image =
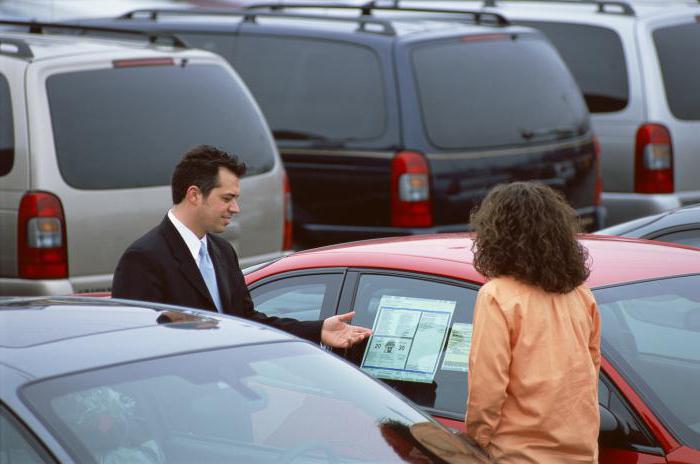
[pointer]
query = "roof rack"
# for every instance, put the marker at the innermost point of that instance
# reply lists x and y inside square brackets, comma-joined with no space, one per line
[36,27]
[618,6]
[478,17]
[250,16]
[248,13]
[15,47]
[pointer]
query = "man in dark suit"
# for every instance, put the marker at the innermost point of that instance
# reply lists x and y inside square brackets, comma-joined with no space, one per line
[182,262]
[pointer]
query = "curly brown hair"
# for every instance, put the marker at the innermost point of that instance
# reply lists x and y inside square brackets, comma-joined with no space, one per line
[528,231]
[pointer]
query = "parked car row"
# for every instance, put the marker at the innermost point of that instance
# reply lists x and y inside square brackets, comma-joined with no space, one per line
[390,121]
[396,122]
[649,302]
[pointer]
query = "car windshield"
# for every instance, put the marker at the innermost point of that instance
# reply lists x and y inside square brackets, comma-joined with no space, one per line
[651,334]
[277,403]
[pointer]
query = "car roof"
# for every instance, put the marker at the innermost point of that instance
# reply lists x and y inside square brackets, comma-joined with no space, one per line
[648,225]
[324,21]
[79,333]
[614,260]
[572,11]
[50,46]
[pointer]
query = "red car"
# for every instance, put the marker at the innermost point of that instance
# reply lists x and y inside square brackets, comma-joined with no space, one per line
[418,295]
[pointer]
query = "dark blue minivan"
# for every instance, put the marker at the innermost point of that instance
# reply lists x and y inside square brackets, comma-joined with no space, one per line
[396,121]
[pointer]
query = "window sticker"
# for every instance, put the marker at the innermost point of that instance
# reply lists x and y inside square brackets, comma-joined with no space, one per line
[408,336]
[458,345]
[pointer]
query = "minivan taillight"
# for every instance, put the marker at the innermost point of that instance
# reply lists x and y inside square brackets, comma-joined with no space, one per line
[598,178]
[410,191]
[287,230]
[653,167]
[42,252]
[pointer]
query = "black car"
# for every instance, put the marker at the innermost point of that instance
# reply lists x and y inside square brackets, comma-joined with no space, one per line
[681,226]
[397,121]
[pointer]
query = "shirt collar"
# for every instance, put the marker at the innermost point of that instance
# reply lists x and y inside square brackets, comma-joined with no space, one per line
[191,240]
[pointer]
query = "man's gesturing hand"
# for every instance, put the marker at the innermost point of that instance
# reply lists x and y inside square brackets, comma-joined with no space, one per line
[336,331]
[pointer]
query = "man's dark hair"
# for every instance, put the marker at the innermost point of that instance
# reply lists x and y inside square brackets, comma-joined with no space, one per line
[528,231]
[200,167]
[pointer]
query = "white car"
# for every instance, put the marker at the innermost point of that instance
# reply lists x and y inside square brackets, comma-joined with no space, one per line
[90,131]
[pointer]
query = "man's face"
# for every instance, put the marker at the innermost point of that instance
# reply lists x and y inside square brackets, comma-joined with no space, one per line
[216,210]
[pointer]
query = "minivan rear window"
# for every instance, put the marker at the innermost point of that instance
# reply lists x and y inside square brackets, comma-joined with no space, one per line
[128,127]
[314,88]
[679,56]
[7,136]
[595,57]
[488,93]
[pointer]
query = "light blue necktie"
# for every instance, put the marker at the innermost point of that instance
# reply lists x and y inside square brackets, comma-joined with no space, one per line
[207,269]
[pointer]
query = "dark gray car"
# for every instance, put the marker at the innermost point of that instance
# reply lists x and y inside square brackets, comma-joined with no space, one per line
[680,226]
[95,380]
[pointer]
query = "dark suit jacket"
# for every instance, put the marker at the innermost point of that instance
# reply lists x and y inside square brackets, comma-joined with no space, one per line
[159,267]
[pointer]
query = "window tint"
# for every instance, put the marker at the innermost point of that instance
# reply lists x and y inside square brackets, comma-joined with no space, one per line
[281,402]
[7,136]
[650,334]
[221,44]
[434,367]
[677,47]
[504,91]
[310,88]
[128,127]
[17,444]
[682,237]
[596,59]
[301,297]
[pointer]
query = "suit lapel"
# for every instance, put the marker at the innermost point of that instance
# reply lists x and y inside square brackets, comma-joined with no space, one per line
[182,255]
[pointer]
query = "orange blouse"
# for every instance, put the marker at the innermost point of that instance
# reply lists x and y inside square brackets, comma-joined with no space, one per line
[533,374]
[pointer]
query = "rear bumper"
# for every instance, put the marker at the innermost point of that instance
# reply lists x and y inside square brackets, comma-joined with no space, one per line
[624,207]
[10,286]
[311,235]
[27,287]
[308,235]
[592,218]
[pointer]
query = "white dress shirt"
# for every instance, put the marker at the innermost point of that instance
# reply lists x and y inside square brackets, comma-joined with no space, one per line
[191,240]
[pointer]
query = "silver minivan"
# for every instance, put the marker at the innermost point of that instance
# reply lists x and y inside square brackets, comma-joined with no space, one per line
[90,130]
[638,65]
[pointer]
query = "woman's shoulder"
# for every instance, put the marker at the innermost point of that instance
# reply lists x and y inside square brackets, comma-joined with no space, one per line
[506,288]
[585,293]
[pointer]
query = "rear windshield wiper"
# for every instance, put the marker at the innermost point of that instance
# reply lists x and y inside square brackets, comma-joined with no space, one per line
[556,133]
[319,140]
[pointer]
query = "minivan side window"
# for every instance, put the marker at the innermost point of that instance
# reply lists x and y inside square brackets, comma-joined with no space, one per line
[421,340]
[128,127]
[220,44]
[596,59]
[677,47]
[314,88]
[7,137]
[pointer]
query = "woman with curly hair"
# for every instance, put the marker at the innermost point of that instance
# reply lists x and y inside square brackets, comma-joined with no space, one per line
[535,353]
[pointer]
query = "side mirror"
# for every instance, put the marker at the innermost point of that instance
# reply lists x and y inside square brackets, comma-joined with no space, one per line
[613,432]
